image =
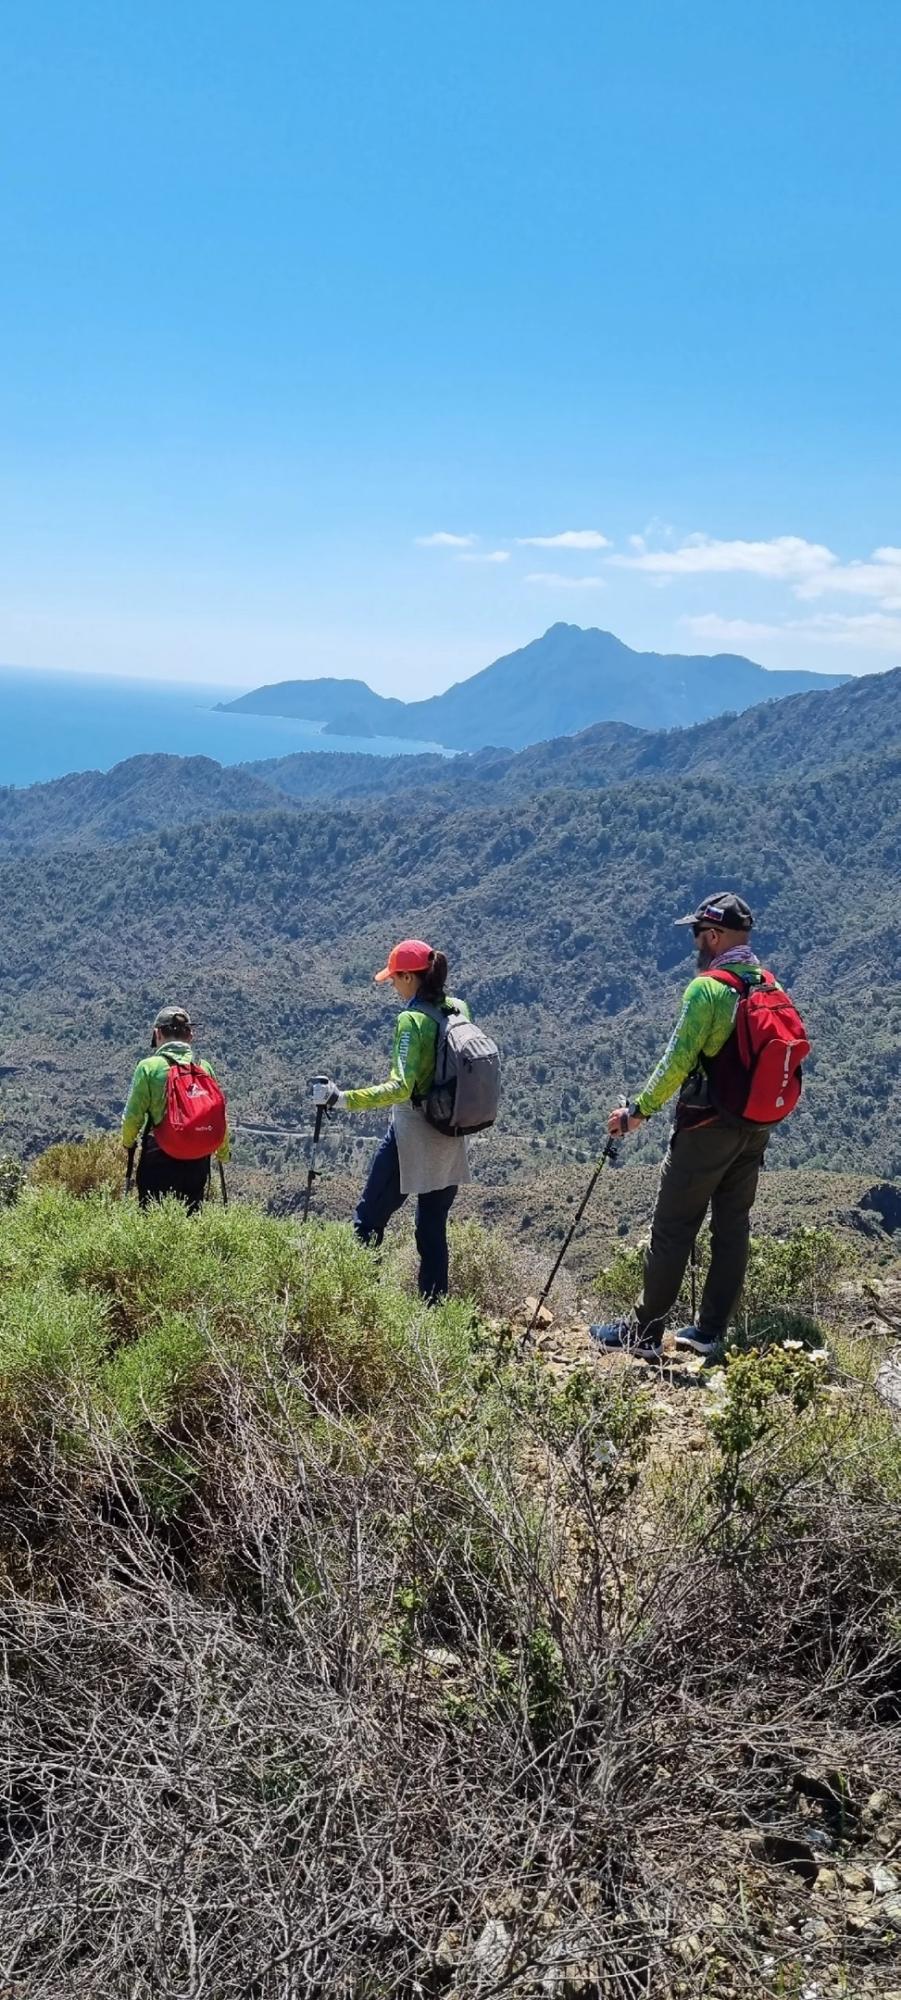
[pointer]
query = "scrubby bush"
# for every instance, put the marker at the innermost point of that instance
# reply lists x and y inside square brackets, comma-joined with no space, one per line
[484,1267]
[92,1165]
[763,1392]
[343,1646]
[800,1271]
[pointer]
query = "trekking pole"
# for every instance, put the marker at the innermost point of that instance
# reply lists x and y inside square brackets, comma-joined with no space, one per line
[130,1167]
[609,1153]
[693,1267]
[319,1086]
[223,1189]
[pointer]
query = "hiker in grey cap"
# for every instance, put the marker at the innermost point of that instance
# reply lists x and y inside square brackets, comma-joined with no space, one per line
[715,1153]
[148,1113]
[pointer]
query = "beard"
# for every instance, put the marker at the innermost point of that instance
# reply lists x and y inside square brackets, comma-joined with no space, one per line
[704,959]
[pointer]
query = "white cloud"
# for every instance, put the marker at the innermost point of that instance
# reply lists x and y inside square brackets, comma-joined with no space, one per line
[865,631]
[786,558]
[556,581]
[872,631]
[571,538]
[809,568]
[490,556]
[730,631]
[443,540]
[879,578]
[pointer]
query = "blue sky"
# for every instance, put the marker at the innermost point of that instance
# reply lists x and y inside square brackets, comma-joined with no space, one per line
[290,290]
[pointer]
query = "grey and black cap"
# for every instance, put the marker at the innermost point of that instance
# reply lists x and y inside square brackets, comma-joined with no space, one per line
[174,1021]
[728,911]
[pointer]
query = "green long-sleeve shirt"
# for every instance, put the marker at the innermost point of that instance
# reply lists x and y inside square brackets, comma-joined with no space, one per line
[412,1062]
[703,1028]
[147,1096]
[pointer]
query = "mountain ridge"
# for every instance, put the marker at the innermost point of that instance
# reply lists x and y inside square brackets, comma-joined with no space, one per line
[563,681]
[803,733]
[136,796]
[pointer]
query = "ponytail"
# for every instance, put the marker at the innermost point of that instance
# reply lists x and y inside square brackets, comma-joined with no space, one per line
[433,983]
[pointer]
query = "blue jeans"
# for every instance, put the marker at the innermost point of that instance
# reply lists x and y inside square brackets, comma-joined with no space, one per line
[381,1198]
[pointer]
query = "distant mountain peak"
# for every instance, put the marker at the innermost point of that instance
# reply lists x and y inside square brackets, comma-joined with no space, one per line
[564,681]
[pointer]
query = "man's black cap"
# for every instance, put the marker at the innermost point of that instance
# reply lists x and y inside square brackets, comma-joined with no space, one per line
[174,1021]
[730,912]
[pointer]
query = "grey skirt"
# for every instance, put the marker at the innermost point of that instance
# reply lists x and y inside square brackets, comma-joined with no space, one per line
[428,1159]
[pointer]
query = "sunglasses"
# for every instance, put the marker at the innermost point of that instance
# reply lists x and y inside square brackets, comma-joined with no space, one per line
[701,930]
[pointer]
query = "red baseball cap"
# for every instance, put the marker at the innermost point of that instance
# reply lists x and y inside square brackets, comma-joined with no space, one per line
[409,956]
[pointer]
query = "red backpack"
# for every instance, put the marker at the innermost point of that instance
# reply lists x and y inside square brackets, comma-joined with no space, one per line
[757,1075]
[193,1124]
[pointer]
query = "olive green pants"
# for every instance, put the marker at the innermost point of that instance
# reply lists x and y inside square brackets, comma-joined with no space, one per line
[716,1167]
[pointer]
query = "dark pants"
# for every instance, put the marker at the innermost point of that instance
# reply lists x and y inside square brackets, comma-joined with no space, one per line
[381,1198]
[716,1166]
[159,1175]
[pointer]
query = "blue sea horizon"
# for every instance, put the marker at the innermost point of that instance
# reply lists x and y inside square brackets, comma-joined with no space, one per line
[52,724]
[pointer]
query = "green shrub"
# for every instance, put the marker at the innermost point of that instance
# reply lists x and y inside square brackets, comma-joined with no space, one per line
[92,1165]
[157,1381]
[764,1396]
[484,1268]
[772,1327]
[314,1299]
[801,1271]
[44,1332]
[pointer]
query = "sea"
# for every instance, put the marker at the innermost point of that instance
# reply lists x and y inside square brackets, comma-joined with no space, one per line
[53,723]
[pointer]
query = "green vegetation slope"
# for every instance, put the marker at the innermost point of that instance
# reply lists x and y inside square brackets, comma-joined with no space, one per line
[556,911]
[348,1652]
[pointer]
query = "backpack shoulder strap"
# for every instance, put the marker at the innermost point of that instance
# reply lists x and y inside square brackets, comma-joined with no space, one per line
[728,979]
[435,1013]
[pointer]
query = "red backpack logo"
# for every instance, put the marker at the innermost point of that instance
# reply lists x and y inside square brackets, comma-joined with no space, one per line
[758,1074]
[193,1125]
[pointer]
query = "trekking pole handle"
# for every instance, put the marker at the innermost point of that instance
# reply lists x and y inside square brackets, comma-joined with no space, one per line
[320,1086]
[613,1144]
[130,1167]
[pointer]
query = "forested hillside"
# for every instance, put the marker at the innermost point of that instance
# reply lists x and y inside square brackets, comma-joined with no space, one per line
[803,732]
[138,796]
[556,911]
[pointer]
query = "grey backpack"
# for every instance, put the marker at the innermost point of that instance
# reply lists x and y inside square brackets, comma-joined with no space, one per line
[465,1093]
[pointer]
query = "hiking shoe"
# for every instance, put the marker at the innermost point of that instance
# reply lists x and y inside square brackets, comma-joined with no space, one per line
[704,1344]
[624,1335]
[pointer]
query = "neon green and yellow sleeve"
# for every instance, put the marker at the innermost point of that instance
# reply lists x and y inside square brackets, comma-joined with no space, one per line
[405,1060]
[683,1050]
[137,1109]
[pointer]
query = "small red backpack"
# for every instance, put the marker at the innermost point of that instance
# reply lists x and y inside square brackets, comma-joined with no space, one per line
[757,1075]
[194,1124]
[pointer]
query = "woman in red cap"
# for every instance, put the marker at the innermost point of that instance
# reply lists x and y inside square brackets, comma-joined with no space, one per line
[413,1157]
